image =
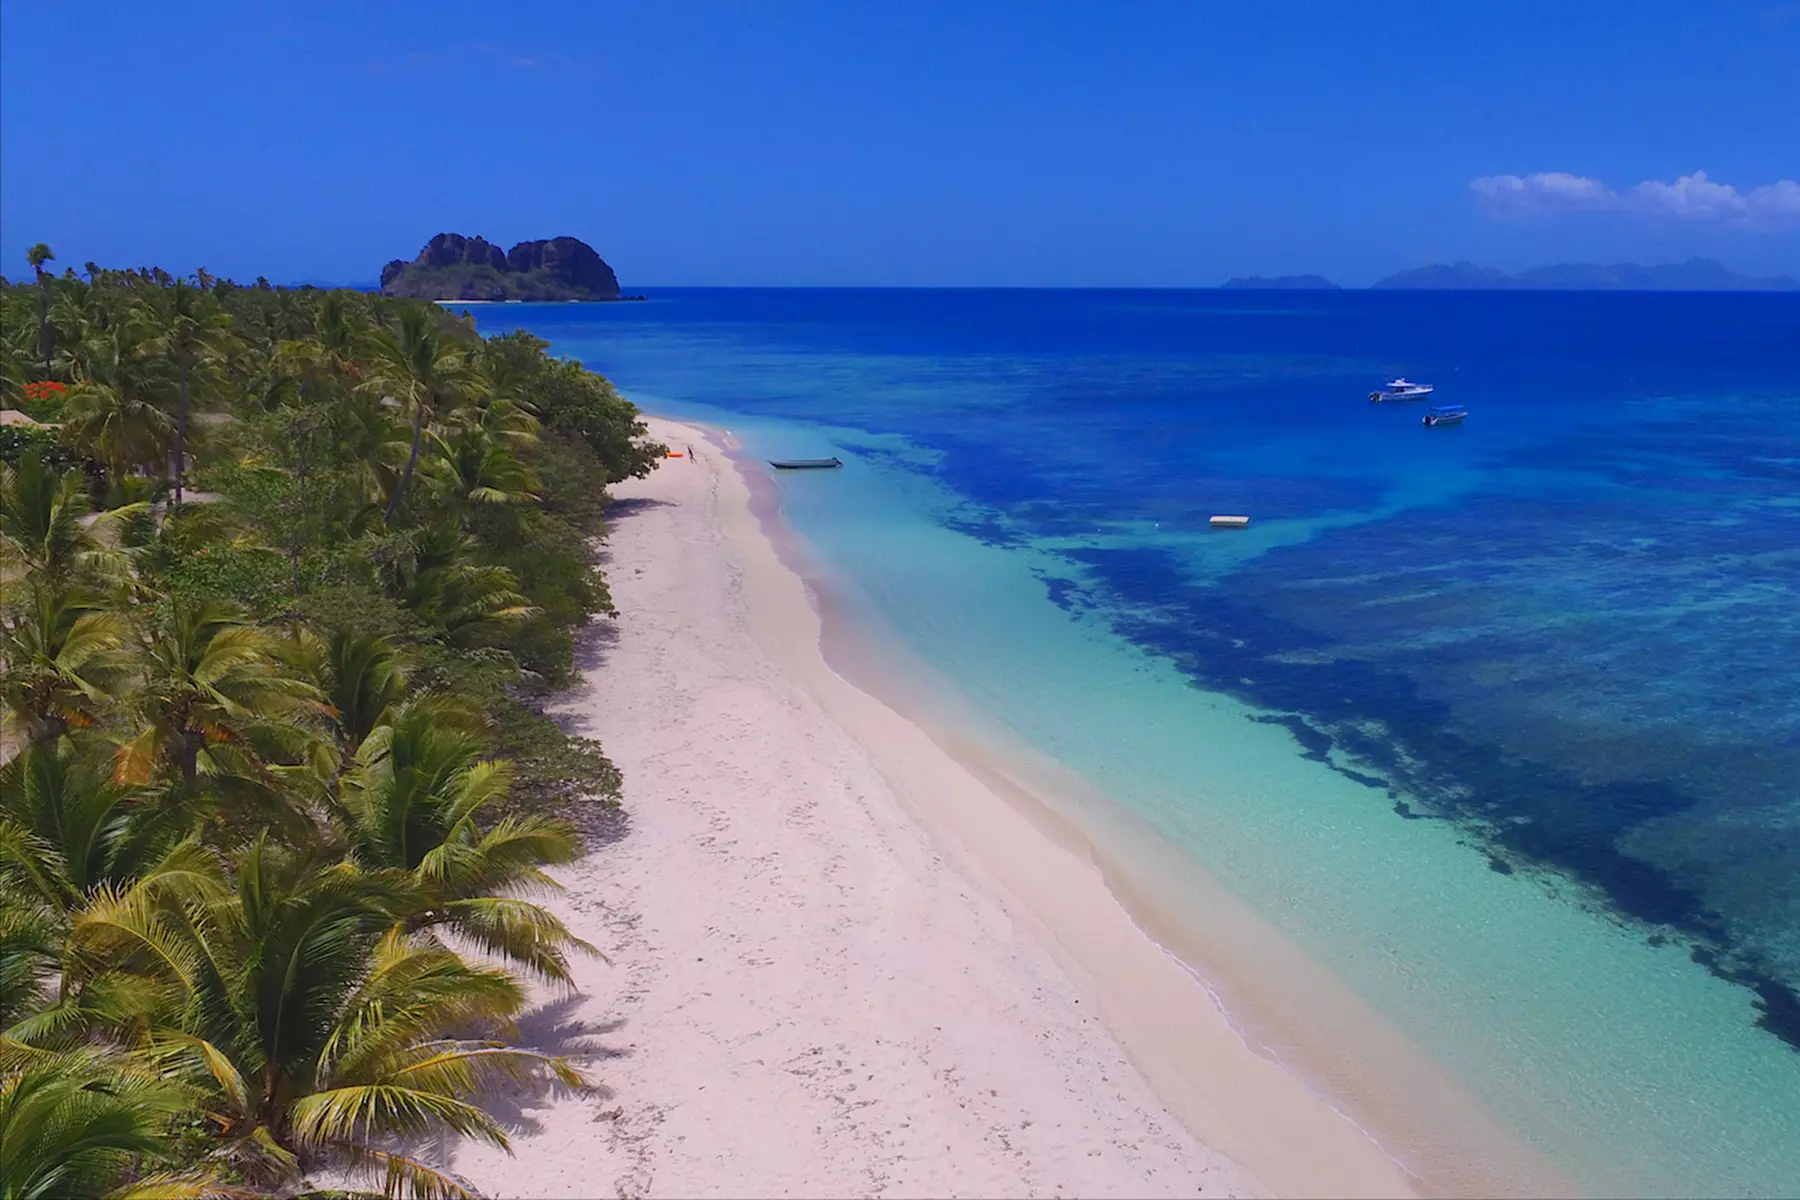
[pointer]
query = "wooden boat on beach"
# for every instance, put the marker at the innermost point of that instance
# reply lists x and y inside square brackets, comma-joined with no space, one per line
[805,464]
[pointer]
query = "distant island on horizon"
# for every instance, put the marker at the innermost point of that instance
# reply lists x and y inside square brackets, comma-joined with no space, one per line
[1694,275]
[454,267]
[1292,283]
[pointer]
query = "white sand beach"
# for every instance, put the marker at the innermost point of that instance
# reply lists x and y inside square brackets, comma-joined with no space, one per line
[840,962]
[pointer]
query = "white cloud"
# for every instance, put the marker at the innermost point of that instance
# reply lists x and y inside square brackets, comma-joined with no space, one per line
[1545,192]
[1774,203]
[1690,198]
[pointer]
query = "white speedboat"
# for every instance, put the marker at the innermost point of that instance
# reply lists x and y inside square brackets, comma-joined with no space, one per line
[1401,389]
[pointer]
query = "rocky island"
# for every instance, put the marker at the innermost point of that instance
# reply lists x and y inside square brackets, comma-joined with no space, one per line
[454,267]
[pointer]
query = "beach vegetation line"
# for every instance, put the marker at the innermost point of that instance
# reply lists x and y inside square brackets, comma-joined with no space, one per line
[288,577]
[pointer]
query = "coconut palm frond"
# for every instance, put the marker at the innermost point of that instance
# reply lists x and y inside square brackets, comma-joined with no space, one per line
[82,1123]
[404,1176]
[342,1115]
[410,994]
[520,932]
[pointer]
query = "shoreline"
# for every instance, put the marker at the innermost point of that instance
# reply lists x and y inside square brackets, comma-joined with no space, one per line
[851,947]
[1253,1017]
[803,995]
[1173,1025]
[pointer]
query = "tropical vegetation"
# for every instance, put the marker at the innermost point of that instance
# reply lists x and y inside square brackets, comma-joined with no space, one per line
[288,577]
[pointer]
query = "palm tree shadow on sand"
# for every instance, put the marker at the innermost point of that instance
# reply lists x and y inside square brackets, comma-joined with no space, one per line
[555,1028]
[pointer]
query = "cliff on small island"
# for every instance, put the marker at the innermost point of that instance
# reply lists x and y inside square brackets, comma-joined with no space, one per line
[454,267]
[1294,283]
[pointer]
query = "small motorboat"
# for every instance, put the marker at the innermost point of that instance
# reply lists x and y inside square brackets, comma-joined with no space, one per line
[1401,389]
[1445,414]
[805,464]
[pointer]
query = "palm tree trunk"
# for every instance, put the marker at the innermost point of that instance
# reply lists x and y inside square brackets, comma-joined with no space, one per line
[181,434]
[44,321]
[301,462]
[187,755]
[299,529]
[412,460]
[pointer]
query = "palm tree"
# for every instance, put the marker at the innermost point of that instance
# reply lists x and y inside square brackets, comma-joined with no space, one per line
[324,417]
[13,360]
[192,331]
[30,937]
[41,526]
[69,320]
[318,1030]
[503,396]
[214,683]
[264,374]
[474,467]
[423,373]
[370,441]
[327,354]
[444,583]
[69,660]
[512,365]
[293,312]
[418,800]
[338,333]
[111,414]
[365,679]
[47,525]
[37,256]
[80,311]
[67,834]
[88,1123]
[67,829]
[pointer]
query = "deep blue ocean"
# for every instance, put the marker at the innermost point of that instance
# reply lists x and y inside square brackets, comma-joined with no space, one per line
[1566,635]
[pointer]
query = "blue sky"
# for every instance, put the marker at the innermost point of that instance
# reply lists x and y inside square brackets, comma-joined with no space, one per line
[856,142]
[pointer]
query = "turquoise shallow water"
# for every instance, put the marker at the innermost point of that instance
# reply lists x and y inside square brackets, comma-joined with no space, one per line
[1501,723]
